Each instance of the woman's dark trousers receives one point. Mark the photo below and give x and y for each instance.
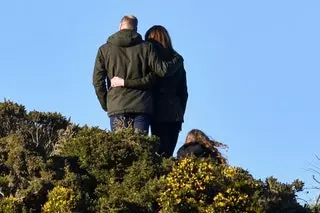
(168, 133)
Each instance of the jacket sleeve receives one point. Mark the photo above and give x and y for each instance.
(158, 67)
(183, 90)
(141, 83)
(99, 80)
(163, 68)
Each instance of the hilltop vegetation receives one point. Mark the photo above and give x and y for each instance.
(48, 164)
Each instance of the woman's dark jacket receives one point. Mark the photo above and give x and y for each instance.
(170, 93)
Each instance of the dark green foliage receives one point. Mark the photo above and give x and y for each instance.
(101, 171)
(281, 196)
(139, 186)
(12, 118)
(27, 144)
(40, 131)
(11, 205)
(315, 208)
(123, 164)
(102, 152)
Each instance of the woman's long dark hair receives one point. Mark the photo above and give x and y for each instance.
(160, 35)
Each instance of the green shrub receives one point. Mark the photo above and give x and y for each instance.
(12, 118)
(137, 192)
(199, 185)
(26, 163)
(41, 131)
(86, 169)
(11, 205)
(61, 200)
(103, 153)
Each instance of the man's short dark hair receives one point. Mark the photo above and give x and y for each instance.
(131, 21)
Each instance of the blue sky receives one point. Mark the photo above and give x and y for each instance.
(252, 69)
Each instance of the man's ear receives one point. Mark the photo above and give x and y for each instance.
(120, 26)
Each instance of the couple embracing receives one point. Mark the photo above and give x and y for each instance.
(142, 83)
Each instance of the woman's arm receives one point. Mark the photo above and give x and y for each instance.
(158, 68)
(140, 83)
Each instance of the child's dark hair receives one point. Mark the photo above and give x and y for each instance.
(197, 135)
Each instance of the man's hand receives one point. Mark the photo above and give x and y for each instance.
(117, 82)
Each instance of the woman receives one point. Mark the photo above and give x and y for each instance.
(198, 144)
(169, 93)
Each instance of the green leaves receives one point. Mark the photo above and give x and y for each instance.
(49, 164)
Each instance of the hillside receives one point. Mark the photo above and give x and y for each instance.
(49, 164)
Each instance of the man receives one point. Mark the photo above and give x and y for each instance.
(127, 56)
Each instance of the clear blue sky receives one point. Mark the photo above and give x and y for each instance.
(252, 68)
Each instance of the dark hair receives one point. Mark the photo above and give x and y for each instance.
(159, 34)
(131, 20)
(197, 135)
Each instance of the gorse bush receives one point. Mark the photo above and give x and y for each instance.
(101, 152)
(28, 166)
(60, 200)
(189, 186)
(11, 204)
(200, 185)
(48, 164)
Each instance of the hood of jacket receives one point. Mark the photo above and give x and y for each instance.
(125, 38)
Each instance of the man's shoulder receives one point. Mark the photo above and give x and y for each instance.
(146, 43)
(142, 42)
(104, 46)
(103, 49)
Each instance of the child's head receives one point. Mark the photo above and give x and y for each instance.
(197, 135)
(201, 137)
